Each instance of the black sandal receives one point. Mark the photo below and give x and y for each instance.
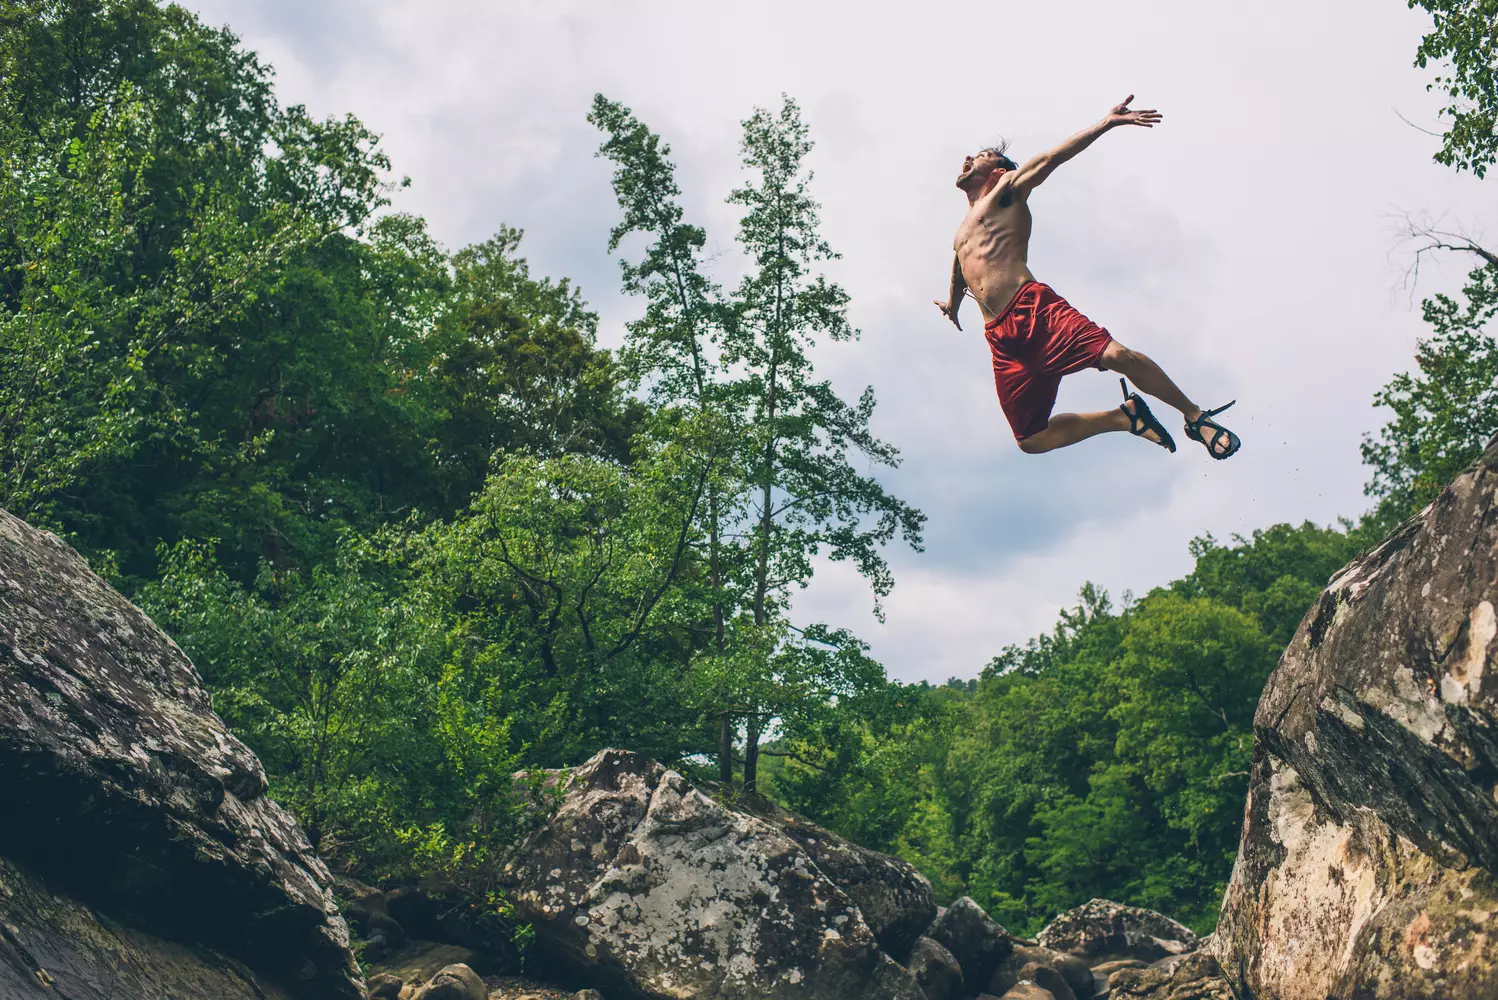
(1141, 420)
(1194, 432)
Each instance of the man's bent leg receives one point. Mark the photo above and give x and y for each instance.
(1069, 428)
(1147, 376)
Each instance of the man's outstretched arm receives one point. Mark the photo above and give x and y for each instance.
(1034, 171)
(954, 294)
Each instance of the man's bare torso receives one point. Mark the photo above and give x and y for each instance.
(993, 248)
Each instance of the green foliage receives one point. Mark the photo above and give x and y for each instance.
(567, 586)
(328, 674)
(1108, 758)
(1445, 411)
(203, 331)
(1465, 38)
(733, 376)
(259, 401)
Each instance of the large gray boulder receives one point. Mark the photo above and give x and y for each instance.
(642, 881)
(1366, 865)
(130, 807)
(894, 898)
(1101, 930)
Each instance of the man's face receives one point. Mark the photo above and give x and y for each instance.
(977, 168)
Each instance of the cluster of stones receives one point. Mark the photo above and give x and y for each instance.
(1101, 949)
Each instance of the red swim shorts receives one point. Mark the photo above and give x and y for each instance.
(1036, 340)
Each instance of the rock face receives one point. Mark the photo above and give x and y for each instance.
(52, 946)
(895, 899)
(935, 970)
(1195, 977)
(1366, 866)
(1013, 970)
(126, 796)
(975, 939)
(641, 880)
(1101, 930)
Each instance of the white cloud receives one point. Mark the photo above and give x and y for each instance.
(1247, 244)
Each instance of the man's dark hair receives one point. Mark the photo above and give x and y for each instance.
(1001, 151)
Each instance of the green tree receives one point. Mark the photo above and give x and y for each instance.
(152, 192)
(568, 584)
(672, 353)
(327, 673)
(799, 437)
(735, 377)
(1445, 411)
(1465, 38)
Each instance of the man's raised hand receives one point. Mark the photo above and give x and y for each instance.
(1121, 115)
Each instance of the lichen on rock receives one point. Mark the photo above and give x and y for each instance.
(1366, 865)
(642, 880)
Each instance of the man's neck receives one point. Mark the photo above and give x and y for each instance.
(974, 194)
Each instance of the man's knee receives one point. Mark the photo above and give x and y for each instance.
(1032, 446)
(1116, 356)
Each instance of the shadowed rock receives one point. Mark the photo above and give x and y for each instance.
(1366, 865)
(974, 938)
(1011, 970)
(935, 970)
(126, 792)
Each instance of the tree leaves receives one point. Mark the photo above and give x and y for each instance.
(1465, 38)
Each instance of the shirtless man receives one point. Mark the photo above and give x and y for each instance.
(1035, 334)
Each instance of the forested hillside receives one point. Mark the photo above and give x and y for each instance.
(417, 530)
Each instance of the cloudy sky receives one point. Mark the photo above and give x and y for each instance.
(1250, 244)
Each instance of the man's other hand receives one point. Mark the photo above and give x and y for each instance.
(948, 312)
(1121, 115)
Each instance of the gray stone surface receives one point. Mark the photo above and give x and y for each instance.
(894, 898)
(136, 799)
(1366, 866)
(1195, 976)
(1010, 971)
(1100, 930)
(454, 982)
(642, 880)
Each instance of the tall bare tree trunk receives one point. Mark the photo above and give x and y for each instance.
(725, 749)
(751, 754)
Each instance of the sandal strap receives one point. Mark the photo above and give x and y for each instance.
(1207, 415)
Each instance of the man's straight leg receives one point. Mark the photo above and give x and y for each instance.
(1147, 376)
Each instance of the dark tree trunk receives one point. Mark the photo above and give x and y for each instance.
(725, 749)
(751, 755)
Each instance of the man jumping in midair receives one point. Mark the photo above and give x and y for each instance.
(1035, 334)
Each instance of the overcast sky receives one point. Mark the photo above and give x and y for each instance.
(1249, 244)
